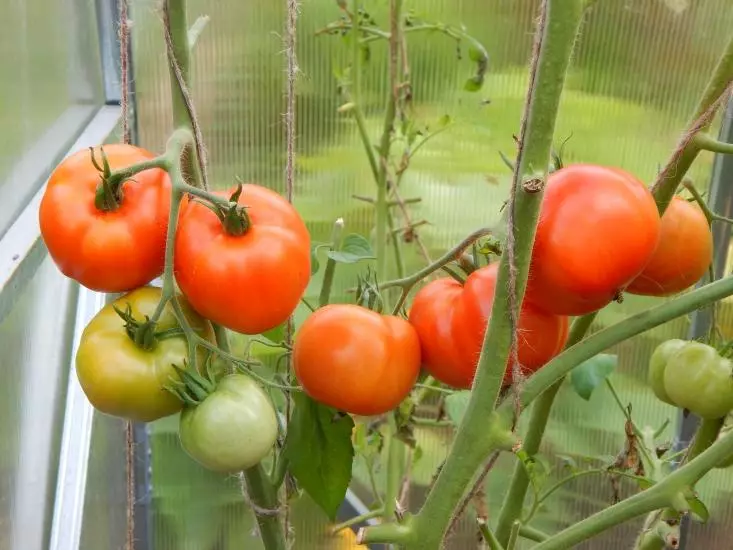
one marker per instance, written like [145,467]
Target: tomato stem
[108,196]
[705,141]
[407,283]
[330,269]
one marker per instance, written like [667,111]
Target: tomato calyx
[143,333]
[233,216]
[367,292]
[193,388]
[108,196]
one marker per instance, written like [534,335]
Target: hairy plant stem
[177,30]
[263,495]
[385,144]
[513,502]
[668,180]
[479,433]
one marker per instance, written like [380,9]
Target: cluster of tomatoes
[599,234]
[243,261]
[243,265]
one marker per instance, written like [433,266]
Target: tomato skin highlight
[451,323]
[114,251]
[356,360]
[684,253]
[249,283]
[232,429]
[121,379]
[598,229]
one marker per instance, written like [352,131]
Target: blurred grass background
[638,70]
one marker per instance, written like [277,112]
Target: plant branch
[330,269]
[385,143]
[708,143]
[488,535]
[263,498]
[514,500]
[716,91]
[358,519]
[407,283]
[660,495]
[175,26]
[563,363]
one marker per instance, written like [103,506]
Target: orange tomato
[451,319]
[107,251]
[356,360]
[684,253]
[252,282]
[598,229]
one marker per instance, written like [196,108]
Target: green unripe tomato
[698,379]
[657,364]
[232,429]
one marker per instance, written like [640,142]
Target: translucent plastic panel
[105,499]
[35,357]
[635,78]
[49,86]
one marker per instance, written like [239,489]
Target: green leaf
[473,84]
[698,510]
[456,405]
[586,376]
[319,450]
[354,248]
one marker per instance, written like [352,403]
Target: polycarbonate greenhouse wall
[636,75]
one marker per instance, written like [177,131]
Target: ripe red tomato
[437,316]
[598,229]
[450,321]
[356,360]
[106,251]
[252,282]
[684,253]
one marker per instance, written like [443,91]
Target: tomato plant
[683,255]
[248,268]
[451,322]
[695,377]
[123,378]
[597,230]
[356,360]
[243,260]
[104,246]
[233,428]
